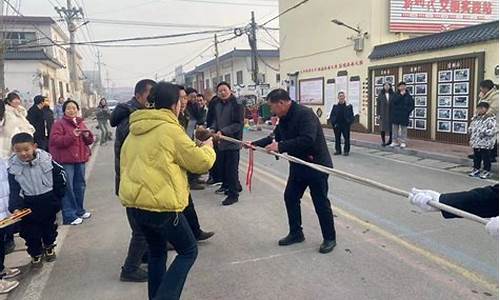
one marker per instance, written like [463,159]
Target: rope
[361,180]
[250,170]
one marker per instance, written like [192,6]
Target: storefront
[442,72]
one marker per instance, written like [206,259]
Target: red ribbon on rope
[250,169]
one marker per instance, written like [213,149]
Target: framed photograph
[460,127]
[461,75]
[420,101]
[460,114]
[445,114]
[378,89]
[311,91]
[421,89]
[376,121]
[410,89]
[444,89]
[444,101]
[420,112]
[445,76]
[379,80]
[409,78]
[444,126]
[412,114]
[391,79]
[421,78]
[410,124]
[420,124]
[461,88]
[461,101]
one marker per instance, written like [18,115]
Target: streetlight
[340,23]
[358,39]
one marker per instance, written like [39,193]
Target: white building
[236,69]
[33,65]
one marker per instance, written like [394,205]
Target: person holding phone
[69,145]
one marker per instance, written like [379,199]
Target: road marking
[257,259]
[469,275]
[39,281]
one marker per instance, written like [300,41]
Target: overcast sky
[126,65]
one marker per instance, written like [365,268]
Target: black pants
[229,161]
[39,230]
[215,171]
[494,151]
[484,156]
[318,186]
[2,250]
[138,247]
[345,131]
[382,135]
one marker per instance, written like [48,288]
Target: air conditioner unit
[359,43]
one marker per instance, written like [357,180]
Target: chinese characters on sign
[333,66]
[429,16]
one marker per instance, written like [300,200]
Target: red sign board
[429,16]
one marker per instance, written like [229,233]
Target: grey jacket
[229,119]
[34,177]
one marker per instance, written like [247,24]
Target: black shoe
[327,246]
[383,144]
[471,156]
[221,191]
[229,201]
[50,254]
[138,276]
[493,160]
[292,239]
[346,153]
[36,261]
[337,153]
[205,235]
[196,186]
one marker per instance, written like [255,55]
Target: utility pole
[217,62]
[99,71]
[71,14]
[2,54]
[252,39]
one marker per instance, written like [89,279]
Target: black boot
[205,235]
[292,239]
[229,200]
[327,246]
[138,275]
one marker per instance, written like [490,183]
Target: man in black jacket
[401,108]
[299,134]
[228,121]
[482,202]
[214,175]
[341,118]
[42,118]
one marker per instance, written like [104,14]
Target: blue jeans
[166,284]
[72,202]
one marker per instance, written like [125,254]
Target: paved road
[386,249]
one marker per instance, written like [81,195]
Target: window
[278,77]
[61,89]
[227,78]
[214,82]
[207,84]
[239,77]
[67,87]
[16,38]
[46,81]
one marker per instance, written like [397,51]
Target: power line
[284,12]
[267,64]
[153,45]
[154,24]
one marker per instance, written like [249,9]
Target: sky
[124,66]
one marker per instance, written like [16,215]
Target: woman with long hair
[103,115]
[384,99]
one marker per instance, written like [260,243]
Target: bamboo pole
[364,181]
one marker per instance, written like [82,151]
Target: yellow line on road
[469,275]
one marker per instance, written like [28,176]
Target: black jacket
[211,112]
[336,118]
[481,201]
[299,134]
[42,120]
[120,120]
[401,108]
[229,119]
[41,205]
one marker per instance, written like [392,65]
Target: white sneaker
[393,145]
[10,273]
[86,215]
[403,145]
[7,286]
[77,221]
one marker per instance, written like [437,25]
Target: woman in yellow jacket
[154,187]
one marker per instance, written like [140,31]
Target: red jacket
[65,146]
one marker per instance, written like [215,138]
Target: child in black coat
[38,183]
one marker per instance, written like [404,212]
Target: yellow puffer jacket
[154,160]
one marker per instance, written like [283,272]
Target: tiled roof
[30,55]
[463,36]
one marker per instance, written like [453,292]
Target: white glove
[420,198]
[492,227]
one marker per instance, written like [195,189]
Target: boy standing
[38,183]
[482,129]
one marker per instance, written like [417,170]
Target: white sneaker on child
[77,221]
[10,273]
[7,286]
[86,215]
[403,145]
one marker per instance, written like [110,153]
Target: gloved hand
[492,227]
[420,198]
